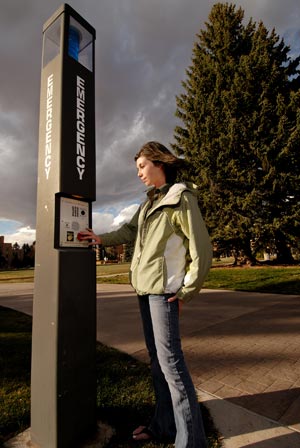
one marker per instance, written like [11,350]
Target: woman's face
[149,173]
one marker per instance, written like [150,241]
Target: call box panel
[73,218]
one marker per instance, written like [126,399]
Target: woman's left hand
[180,302]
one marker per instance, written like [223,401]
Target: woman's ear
[160,165]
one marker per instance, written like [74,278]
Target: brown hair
[160,155]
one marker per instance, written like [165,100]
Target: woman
[171,259]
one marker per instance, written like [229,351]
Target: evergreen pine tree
[240,136]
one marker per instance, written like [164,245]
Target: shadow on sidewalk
[283,406]
[244,428]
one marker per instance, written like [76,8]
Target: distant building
[14,256]
[111,253]
[6,253]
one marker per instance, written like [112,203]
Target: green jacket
[173,252]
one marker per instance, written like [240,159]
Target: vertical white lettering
[80,127]
[48,126]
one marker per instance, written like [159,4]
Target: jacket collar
[154,193]
[172,196]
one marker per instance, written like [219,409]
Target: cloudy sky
[142,50]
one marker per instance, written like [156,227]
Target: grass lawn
[124,389]
[15,354]
[268,279]
[104,270]
[17,276]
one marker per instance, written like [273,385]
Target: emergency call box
[73,216]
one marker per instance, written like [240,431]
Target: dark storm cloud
[142,50]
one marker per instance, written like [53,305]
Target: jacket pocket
[151,275]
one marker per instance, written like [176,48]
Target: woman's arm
[200,248]
[125,234]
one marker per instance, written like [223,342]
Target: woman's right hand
[90,236]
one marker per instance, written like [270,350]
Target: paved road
[243,351]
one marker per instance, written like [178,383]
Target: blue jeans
[177,412]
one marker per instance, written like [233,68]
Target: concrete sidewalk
[243,351]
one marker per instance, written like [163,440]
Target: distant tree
[16,247]
[128,252]
[28,255]
[240,133]
[3,262]
[111,253]
[16,261]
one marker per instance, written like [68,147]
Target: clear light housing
[52,38]
[80,44]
